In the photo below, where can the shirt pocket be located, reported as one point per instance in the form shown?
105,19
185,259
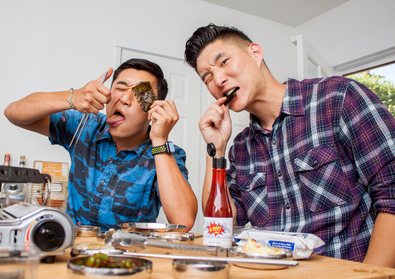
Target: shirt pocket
253,192
323,183
131,199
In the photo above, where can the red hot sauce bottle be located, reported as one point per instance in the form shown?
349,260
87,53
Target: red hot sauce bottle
218,219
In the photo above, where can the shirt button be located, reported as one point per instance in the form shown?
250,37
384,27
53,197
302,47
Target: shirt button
109,158
103,182
279,174
94,208
274,142
287,206
315,163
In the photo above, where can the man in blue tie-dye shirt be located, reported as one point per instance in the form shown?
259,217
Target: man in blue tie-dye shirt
114,177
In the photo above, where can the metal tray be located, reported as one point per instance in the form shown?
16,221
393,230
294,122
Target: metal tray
92,248
84,230
175,237
151,227
284,254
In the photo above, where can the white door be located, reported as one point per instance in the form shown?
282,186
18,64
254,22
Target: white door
184,89
192,99
311,64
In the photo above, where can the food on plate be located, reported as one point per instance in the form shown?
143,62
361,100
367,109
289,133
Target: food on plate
100,260
252,247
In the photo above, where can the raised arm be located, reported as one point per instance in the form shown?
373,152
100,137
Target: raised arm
33,111
176,195
216,127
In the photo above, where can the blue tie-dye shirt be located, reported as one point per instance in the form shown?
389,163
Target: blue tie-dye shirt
106,188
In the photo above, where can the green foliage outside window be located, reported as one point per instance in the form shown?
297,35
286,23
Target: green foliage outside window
384,89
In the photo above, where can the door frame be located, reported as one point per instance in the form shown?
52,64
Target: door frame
176,54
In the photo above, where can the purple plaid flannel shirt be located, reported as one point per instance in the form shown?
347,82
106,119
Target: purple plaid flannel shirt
327,167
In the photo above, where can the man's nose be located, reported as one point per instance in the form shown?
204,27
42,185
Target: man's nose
220,78
127,97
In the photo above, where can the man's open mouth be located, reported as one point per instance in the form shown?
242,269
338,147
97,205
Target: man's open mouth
230,95
116,118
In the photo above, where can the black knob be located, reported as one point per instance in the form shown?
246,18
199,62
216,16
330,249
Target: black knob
49,236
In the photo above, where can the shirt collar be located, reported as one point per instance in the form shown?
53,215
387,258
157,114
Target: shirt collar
292,105
142,148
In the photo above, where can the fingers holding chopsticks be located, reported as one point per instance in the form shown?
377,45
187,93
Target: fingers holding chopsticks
94,95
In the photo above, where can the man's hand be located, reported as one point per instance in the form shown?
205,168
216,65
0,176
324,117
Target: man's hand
93,96
164,116
216,126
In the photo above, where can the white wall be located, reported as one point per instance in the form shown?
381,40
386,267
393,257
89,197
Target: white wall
54,45
356,29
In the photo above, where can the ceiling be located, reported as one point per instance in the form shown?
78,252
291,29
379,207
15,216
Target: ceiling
289,12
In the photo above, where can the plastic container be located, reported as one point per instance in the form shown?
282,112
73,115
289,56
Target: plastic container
19,261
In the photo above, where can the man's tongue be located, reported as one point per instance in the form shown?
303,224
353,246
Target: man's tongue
116,118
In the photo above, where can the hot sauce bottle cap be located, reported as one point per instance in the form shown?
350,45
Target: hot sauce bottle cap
218,163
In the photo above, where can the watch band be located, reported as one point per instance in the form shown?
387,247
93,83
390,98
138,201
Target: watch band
168,148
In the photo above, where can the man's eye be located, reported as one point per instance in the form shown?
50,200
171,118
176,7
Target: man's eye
208,79
224,62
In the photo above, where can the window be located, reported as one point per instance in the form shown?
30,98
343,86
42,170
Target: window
381,80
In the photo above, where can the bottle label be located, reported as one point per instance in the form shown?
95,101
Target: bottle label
218,232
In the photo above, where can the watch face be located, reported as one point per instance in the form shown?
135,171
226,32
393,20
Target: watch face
171,147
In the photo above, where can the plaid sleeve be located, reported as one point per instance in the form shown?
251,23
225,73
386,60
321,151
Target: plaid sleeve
242,218
367,129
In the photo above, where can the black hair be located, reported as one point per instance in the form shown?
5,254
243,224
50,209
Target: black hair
208,34
147,66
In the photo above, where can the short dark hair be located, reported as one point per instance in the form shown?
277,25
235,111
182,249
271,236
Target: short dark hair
208,34
148,66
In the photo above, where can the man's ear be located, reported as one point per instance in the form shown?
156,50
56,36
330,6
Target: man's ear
256,53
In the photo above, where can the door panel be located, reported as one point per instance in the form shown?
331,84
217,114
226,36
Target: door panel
184,89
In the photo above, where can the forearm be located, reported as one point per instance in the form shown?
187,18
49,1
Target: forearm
382,244
31,110
178,200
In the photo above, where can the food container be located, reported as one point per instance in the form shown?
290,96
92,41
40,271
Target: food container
283,254
19,261
84,230
152,227
175,237
76,271
100,236
93,248
183,269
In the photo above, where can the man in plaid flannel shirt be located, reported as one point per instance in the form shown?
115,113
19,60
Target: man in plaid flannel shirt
318,155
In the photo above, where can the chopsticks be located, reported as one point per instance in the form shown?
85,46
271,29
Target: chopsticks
84,119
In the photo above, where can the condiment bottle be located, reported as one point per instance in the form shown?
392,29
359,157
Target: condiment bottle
7,160
218,219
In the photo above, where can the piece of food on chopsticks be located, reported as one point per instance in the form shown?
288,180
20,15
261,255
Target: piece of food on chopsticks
230,95
145,95
252,247
100,260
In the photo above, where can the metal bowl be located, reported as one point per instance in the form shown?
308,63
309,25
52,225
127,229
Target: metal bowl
283,254
152,227
84,230
81,271
93,248
175,237
183,269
